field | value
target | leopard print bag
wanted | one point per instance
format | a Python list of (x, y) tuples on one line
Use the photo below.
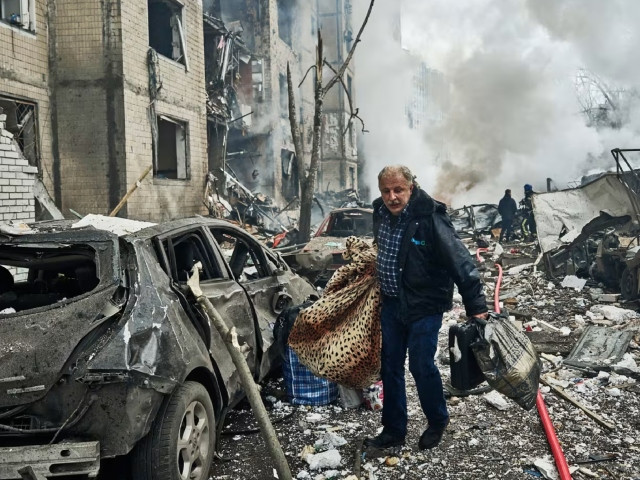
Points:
[(339, 336)]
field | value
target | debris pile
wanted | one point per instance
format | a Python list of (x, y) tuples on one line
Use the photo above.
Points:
[(589, 342)]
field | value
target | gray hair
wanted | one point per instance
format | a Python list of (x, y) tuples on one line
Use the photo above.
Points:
[(399, 170)]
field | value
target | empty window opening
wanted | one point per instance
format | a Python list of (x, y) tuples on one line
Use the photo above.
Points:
[(284, 96), (166, 33), (20, 13), (290, 180), (171, 154), (352, 177), (285, 21), (22, 123)]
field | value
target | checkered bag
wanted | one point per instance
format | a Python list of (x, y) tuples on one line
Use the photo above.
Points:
[(303, 387)]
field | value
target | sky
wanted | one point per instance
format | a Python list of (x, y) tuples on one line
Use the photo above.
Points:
[(514, 114)]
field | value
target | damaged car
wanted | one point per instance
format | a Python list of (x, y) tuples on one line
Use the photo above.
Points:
[(322, 255), (104, 351)]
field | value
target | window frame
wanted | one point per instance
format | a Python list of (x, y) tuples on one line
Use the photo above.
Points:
[(184, 125), (177, 29), (28, 6)]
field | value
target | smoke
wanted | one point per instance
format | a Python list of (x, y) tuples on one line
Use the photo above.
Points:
[(513, 112)]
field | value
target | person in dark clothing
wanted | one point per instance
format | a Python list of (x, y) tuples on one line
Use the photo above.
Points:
[(420, 257), (507, 209), (529, 226)]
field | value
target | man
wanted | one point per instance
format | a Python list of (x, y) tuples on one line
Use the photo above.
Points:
[(530, 225), (420, 256), (507, 209)]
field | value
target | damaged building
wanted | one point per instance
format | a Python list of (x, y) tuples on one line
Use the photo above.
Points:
[(96, 93)]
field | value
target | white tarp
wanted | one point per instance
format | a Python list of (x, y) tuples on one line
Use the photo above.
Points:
[(117, 225), (568, 211)]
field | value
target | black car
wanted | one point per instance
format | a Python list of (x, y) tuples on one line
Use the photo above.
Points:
[(104, 352)]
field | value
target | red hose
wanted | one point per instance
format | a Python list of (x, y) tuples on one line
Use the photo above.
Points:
[(556, 449), (478, 257), (496, 294), (552, 438)]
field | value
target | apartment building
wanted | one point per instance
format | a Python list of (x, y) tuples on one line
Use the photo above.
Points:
[(97, 93)]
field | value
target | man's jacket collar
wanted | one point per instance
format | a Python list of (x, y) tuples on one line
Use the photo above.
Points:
[(421, 204)]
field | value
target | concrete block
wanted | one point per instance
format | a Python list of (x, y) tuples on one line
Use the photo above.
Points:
[(10, 154), (6, 133), (3, 117), (609, 297), (30, 169), (15, 181)]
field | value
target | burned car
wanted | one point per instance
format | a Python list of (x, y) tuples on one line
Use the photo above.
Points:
[(104, 352), (322, 255)]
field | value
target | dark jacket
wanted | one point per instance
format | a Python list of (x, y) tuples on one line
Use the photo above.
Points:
[(431, 259), (507, 207)]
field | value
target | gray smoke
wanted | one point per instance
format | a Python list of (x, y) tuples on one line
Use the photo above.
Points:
[(514, 115)]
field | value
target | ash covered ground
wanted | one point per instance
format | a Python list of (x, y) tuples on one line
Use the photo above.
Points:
[(489, 436)]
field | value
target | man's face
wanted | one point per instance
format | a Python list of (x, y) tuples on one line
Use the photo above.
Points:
[(395, 191)]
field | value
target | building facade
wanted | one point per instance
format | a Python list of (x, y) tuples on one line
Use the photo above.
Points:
[(97, 93)]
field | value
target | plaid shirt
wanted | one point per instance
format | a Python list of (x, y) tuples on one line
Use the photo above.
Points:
[(389, 240)]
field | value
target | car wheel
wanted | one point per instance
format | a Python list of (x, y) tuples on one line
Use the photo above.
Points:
[(629, 284), (181, 442)]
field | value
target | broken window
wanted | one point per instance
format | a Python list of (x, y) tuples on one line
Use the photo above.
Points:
[(20, 13), (352, 177), (166, 32), (246, 262), (185, 251), (290, 186), (284, 96), (170, 152), (52, 275), (22, 123), (285, 21)]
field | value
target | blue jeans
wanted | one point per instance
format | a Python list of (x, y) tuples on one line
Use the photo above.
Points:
[(420, 338)]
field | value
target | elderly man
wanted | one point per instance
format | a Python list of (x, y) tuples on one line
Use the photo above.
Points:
[(420, 256)]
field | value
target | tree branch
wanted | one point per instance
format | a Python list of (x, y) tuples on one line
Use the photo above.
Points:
[(305, 75), (352, 113), (344, 66)]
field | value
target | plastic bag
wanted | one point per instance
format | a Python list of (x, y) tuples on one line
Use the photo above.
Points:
[(350, 397), (508, 360), (374, 396)]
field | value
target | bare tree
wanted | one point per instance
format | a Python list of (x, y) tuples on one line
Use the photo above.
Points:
[(308, 180)]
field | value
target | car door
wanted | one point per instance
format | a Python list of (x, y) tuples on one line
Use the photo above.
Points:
[(255, 270), (184, 249)]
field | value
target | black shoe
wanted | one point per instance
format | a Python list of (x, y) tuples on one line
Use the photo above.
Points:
[(431, 437), (384, 440)]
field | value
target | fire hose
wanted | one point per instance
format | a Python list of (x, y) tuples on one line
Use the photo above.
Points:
[(547, 425)]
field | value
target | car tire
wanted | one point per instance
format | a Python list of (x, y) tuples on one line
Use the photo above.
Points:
[(181, 442), (629, 284)]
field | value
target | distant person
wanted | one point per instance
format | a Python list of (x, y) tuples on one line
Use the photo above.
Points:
[(420, 257), (529, 226), (507, 209)]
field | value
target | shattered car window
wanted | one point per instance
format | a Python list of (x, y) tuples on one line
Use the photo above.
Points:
[(35, 277), (185, 251), (243, 259), (347, 223)]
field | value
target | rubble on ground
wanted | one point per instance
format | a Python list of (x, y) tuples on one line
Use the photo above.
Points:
[(490, 436)]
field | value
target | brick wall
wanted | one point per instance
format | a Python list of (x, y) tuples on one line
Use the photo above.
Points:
[(181, 97), (16, 180), (24, 74)]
